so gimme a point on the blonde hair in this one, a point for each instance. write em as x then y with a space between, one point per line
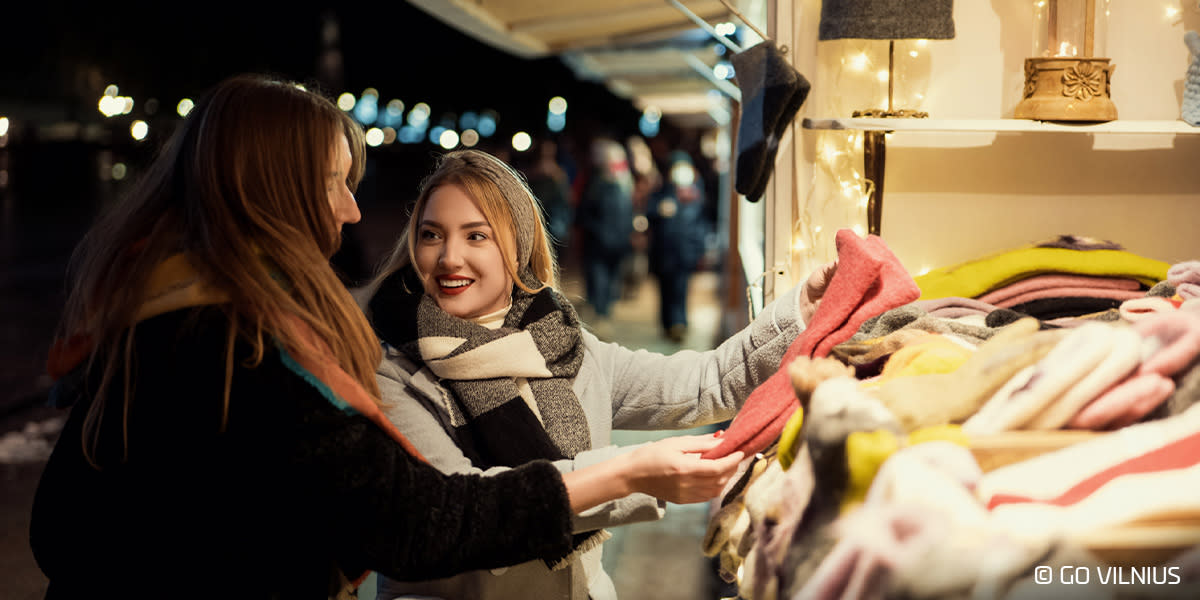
504 198
240 191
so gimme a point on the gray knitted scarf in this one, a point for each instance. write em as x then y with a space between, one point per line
512 398
500 380
503 380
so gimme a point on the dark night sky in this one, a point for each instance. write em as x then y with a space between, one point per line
168 50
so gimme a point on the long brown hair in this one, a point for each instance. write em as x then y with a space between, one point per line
240 191
498 190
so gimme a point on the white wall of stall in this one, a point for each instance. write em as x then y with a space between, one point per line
952 197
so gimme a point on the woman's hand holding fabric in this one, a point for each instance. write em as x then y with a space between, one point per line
671 469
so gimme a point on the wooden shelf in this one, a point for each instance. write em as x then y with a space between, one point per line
998 125
876 130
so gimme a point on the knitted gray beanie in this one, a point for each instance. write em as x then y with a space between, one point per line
887 19
525 213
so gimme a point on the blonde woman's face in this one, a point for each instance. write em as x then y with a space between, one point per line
341 200
459 256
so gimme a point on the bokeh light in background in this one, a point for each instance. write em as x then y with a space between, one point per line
393 115
448 139
649 123
366 109
3 126
556 116
184 107
410 135
469 138
111 104
487 123
418 117
374 137
521 141
139 129
346 101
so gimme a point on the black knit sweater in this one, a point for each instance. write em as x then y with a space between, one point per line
293 489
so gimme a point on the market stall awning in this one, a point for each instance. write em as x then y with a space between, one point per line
651 52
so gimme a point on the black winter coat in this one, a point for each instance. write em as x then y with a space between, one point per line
292 490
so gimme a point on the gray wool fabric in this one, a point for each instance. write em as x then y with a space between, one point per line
556 335
887 19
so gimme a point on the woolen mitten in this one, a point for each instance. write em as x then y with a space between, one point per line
1036 386
1190 110
772 92
1124 356
1125 403
1171 343
1144 308
1187 271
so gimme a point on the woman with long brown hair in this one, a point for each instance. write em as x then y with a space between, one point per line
225 437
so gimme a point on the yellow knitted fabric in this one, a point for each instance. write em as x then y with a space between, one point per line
866 452
934 353
973 278
789 442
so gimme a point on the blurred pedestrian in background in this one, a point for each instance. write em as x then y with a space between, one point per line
678 229
548 182
605 218
646 181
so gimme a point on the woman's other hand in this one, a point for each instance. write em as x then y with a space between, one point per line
814 290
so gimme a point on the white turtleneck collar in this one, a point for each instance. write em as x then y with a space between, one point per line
493 320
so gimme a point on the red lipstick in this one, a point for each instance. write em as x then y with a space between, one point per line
455 290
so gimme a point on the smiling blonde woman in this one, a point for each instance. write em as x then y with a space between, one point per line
487 367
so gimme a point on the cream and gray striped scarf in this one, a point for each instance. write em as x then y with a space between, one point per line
512 397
